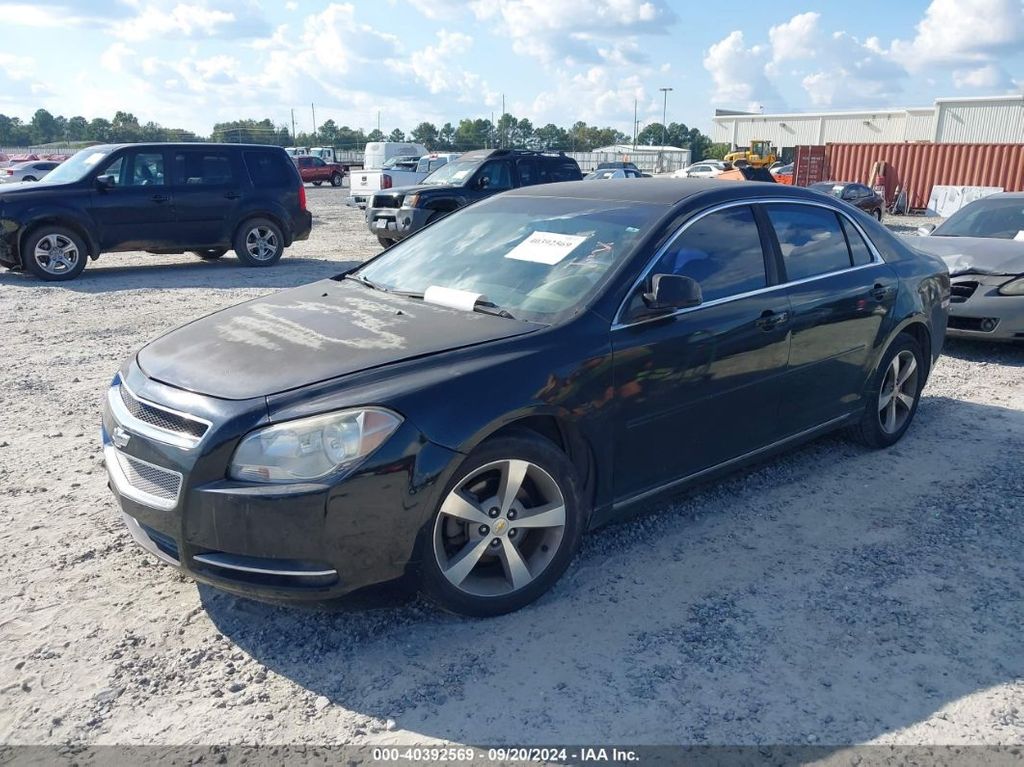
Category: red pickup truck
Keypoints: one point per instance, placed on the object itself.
(318, 171)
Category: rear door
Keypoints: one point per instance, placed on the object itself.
(841, 295)
(207, 188)
(702, 386)
(137, 210)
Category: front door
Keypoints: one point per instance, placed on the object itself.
(135, 211)
(207, 188)
(702, 386)
(841, 295)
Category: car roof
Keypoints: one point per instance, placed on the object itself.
(184, 145)
(664, 191)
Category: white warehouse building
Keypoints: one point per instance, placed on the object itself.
(990, 119)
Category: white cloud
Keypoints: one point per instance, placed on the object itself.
(961, 32)
(738, 74)
(990, 78)
(797, 38)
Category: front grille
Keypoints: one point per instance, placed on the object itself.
(961, 291)
(387, 200)
(149, 479)
(160, 418)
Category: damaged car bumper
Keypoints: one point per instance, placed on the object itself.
(978, 308)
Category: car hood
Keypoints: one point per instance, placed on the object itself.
(24, 187)
(415, 189)
(310, 334)
(973, 255)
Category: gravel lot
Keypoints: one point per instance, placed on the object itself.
(833, 596)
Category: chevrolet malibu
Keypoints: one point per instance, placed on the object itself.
(455, 413)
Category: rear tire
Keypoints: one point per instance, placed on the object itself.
(259, 242)
(893, 394)
(337, 179)
(54, 253)
(210, 254)
(480, 555)
(29, 178)
(385, 242)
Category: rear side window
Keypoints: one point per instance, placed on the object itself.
(810, 238)
(269, 169)
(559, 170)
(203, 168)
(722, 251)
(858, 248)
(527, 171)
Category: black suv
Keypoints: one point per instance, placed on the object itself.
(162, 198)
(394, 214)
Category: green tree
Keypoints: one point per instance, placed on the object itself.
(99, 130)
(446, 136)
(396, 135)
(77, 128)
(375, 135)
(44, 127)
(551, 137)
(329, 133)
(425, 133)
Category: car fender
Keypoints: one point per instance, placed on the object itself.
(62, 215)
(263, 208)
(444, 203)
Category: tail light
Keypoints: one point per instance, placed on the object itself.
(385, 181)
(10, 172)
(302, 196)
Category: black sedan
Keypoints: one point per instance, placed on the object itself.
(863, 197)
(458, 411)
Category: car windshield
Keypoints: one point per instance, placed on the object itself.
(535, 257)
(833, 189)
(1000, 219)
(77, 166)
(452, 173)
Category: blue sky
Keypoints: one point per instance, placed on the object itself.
(190, 63)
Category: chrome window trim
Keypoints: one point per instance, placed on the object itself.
(618, 322)
(128, 490)
(125, 418)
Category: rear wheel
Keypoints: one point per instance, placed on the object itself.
(894, 394)
(506, 529)
(210, 254)
(54, 253)
(385, 242)
(29, 178)
(259, 242)
(337, 179)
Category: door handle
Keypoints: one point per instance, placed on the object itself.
(770, 320)
(881, 291)
(232, 195)
(160, 198)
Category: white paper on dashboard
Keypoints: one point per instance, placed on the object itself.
(452, 297)
(546, 247)
(1019, 236)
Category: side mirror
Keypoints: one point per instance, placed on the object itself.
(924, 231)
(672, 291)
(483, 183)
(106, 182)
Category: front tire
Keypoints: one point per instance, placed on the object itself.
(337, 179)
(893, 394)
(507, 527)
(385, 242)
(259, 242)
(54, 253)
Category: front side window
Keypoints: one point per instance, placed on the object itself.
(494, 176)
(148, 169)
(116, 171)
(538, 258)
(811, 241)
(721, 251)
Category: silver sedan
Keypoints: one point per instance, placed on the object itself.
(26, 171)
(983, 247)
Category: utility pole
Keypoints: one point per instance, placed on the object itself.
(313, 108)
(664, 115)
(378, 121)
(502, 121)
(635, 125)
(293, 127)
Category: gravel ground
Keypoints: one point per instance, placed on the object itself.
(835, 595)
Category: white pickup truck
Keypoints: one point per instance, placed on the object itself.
(398, 171)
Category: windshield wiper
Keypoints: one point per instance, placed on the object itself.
(367, 282)
(494, 311)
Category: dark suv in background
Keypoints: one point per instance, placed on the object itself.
(161, 198)
(394, 214)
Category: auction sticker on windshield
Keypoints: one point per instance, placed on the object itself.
(546, 247)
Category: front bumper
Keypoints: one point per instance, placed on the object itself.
(977, 310)
(304, 541)
(396, 223)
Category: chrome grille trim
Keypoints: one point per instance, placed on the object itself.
(226, 562)
(157, 422)
(143, 482)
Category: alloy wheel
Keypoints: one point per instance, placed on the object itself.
(261, 243)
(499, 528)
(898, 392)
(56, 254)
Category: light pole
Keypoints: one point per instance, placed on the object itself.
(664, 114)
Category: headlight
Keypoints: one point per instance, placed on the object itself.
(1014, 287)
(311, 448)
(410, 200)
